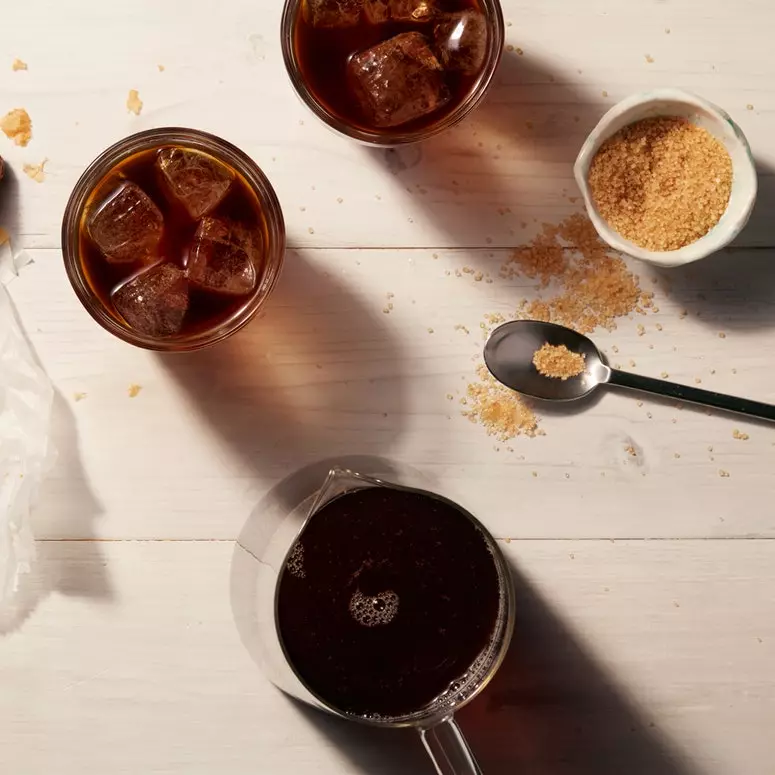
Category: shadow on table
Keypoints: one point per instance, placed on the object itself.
(252, 594)
(530, 113)
(73, 569)
(296, 385)
(734, 290)
(552, 709)
(9, 201)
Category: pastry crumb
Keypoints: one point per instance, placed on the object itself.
(78, 397)
(134, 390)
(736, 434)
(133, 102)
(17, 126)
(36, 172)
(649, 59)
(18, 65)
(161, 68)
(4, 236)
(722, 473)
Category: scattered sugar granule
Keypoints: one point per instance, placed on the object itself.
(36, 171)
(661, 182)
(558, 362)
(736, 434)
(430, 330)
(133, 102)
(664, 375)
(17, 126)
(18, 65)
(747, 107)
(78, 397)
(501, 411)
(641, 329)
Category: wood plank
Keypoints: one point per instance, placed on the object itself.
(326, 373)
(644, 656)
(515, 154)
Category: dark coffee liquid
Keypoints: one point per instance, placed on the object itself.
(206, 310)
(323, 54)
(388, 598)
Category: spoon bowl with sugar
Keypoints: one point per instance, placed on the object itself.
(555, 363)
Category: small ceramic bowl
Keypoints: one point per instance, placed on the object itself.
(674, 102)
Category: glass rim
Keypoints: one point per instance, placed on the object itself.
(495, 44)
(198, 140)
(434, 712)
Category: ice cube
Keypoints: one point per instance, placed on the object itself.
(225, 257)
(127, 226)
(398, 80)
(154, 302)
(332, 13)
(408, 11)
(198, 181)
(461, 40)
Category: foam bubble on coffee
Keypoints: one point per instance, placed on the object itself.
(295, 564)
(374, 610)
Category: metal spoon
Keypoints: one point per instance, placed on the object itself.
(509, 357)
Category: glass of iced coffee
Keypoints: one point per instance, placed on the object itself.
(173, 239)
(388, 72)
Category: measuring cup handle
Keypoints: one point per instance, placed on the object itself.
(448, 749)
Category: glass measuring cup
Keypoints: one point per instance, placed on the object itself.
(434, 722)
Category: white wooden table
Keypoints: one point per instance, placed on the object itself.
(646, 635)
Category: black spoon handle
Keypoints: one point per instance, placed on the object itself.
(692, 394)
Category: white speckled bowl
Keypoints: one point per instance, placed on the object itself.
(674, 102)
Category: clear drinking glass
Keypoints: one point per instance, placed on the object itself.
(435, 723)
(393, 136)
(95, 176)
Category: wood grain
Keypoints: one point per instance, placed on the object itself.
(649, 656)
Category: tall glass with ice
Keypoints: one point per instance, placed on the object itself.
(388, 72)
(173, 239)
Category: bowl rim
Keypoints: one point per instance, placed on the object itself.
(716, 239)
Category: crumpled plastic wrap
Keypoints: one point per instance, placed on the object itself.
(26, 397)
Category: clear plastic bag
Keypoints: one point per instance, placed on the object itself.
(26, 397)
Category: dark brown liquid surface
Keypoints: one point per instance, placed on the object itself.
(387, 546)
(206, 310)
(323, 55)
